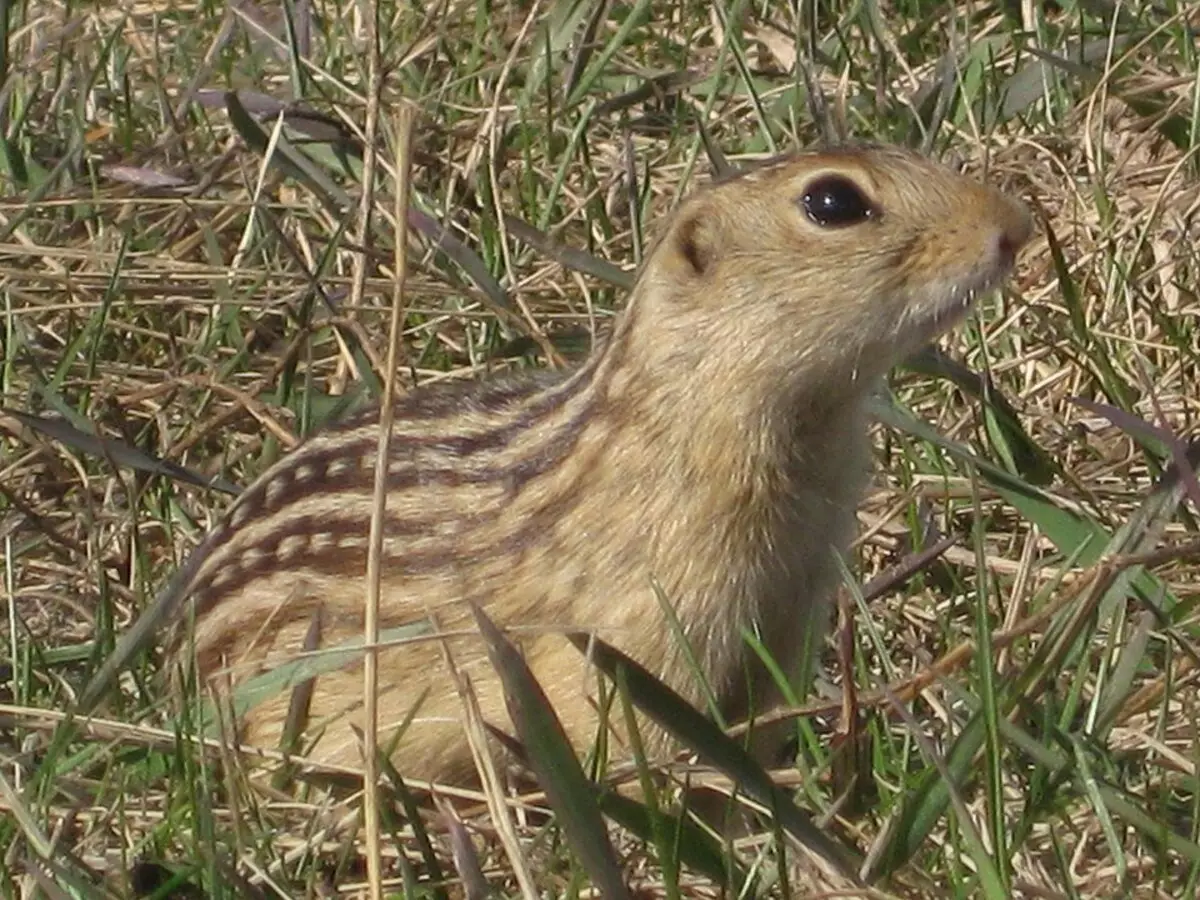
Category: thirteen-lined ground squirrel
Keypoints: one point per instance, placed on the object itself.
(711, 454)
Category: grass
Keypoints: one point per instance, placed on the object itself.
(1023, 721)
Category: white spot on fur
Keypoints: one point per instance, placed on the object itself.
(321, 542)
(292, 545)
(274, 489)
(351, 542)
(241, 512)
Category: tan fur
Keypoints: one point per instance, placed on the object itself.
(713, 450)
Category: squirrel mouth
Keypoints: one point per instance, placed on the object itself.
(955, 302)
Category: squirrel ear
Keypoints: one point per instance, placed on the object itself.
(694, 240)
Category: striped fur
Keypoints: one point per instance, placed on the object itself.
(710, 455)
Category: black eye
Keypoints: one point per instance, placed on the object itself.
(834, 201)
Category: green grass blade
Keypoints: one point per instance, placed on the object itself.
(700, 735)
(554, 761)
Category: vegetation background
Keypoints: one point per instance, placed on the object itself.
(178, 236)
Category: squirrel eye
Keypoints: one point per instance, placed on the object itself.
(835, 201)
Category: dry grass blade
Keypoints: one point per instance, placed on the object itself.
(38, 842)
(383, 448)
(57, 885)
(493, 786)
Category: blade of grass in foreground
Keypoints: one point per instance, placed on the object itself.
(555, 763)
(1026, 458)
(286, 676)
(700, 735)
(685, 838)
(117, 452)
(693, 847)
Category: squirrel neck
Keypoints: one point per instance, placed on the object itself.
(761, 473)
(727, 418)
